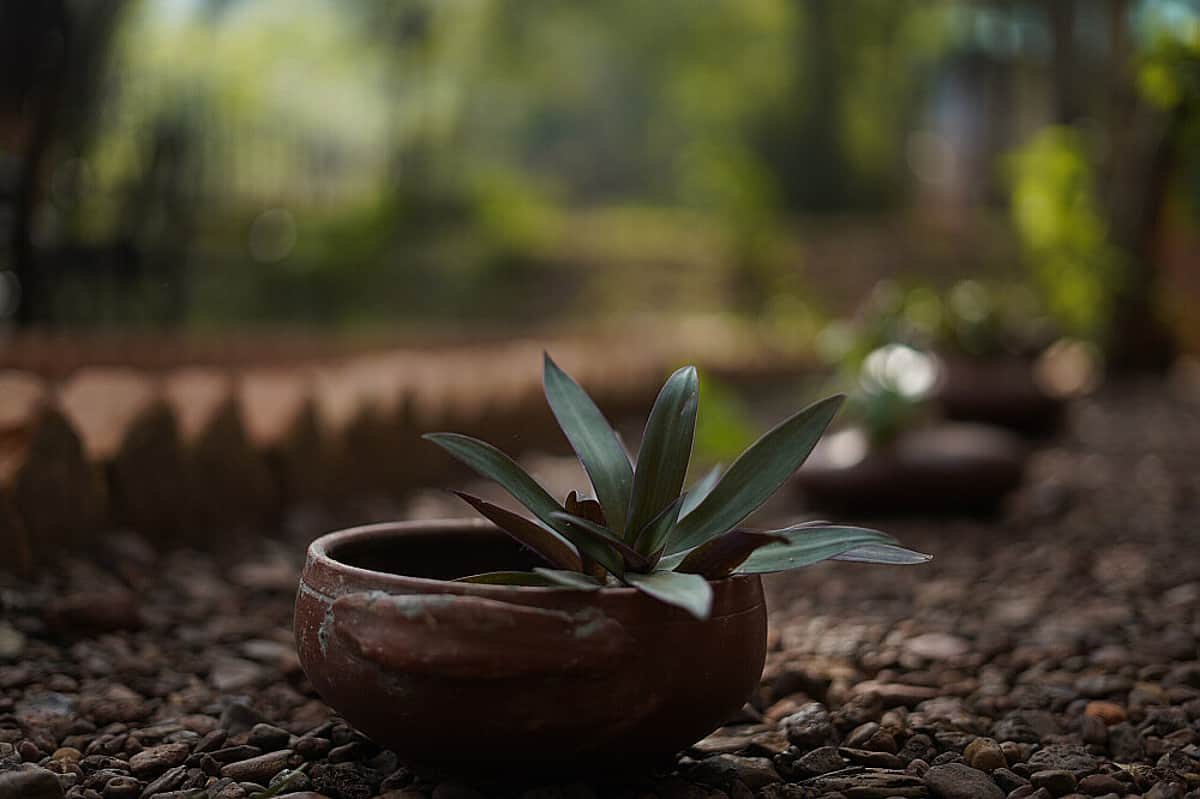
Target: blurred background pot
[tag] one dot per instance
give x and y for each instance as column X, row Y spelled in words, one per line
column 1002, row 391
column 443, row 671
column 948, row 467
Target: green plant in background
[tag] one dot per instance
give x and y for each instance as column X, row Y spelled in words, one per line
column 975, row 318
column 1066, row 240
column 882, row 358
column 643, row 529
column 984, row 320
column 890, row 391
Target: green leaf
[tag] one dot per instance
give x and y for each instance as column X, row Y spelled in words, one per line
column 570, row 579
column 718, row 557
column 605, row 537
column 754, row 476
column 807, row 545
column 597, row 547
column 593, row 440
column 655, row 534
column 508, row 578
column 688, row 591
column 548, row 544
column 884, row 553
column 665, row 450
column 699, row 490
column 495, row 465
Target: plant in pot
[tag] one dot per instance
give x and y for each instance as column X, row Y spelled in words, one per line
column 894, row 447
column 999, row 362
column 631, row 623
column 1000, row 365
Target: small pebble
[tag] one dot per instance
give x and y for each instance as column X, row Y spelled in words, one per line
column 985, row 754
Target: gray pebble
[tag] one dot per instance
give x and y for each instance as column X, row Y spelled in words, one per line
column 960, row 781
column 30, row 783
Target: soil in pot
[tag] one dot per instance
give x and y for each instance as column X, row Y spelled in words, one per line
column 456, row 673
column 944, row 468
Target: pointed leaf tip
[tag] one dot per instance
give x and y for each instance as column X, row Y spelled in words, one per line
column 756, row 475
column 595, row 442
column 808, row 544
column 548, row 545
column 665, row 451
column 890, row 554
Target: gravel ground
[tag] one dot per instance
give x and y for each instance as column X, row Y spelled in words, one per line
column 1050, row 652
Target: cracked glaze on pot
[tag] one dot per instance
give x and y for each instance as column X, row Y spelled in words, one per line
column 439, row 670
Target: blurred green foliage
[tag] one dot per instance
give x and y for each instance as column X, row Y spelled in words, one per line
column 976, row 318
column 347, row 162
column 725, row 425
column 1056, row 211
column 1168, row 70
column 352, row 163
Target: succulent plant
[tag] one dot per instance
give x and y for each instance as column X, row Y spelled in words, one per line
column 643, row 529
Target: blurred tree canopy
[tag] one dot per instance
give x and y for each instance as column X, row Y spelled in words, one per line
column 208, row 162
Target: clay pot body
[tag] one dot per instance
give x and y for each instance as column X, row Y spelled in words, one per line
column 998, row 391
column 950, row 467
column 441, row 671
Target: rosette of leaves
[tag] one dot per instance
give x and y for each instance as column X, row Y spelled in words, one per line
column 643, row 529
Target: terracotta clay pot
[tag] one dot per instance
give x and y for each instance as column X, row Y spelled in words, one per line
column 998, row 391
column 947, row 468
column 441, row 671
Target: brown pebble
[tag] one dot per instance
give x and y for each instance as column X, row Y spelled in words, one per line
column 157, row 759
column 312, row 748
column 985, row 754
column 68, row 754
column 258, row 769
column 232, row 754
column 211, row 741
column 122, row 788
column 1012, row 752
column 1101, row 784
column 1093, row 730
column 344, row 753
column 29, row 751
column 30, row 783
column 1057, row 781
column 1109, row 712
column 267, row 737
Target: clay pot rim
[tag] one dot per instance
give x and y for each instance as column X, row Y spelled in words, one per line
column 318, row 555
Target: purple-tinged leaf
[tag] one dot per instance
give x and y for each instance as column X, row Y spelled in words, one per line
column 718, row 557
column 547, row 544
column 589, row 509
